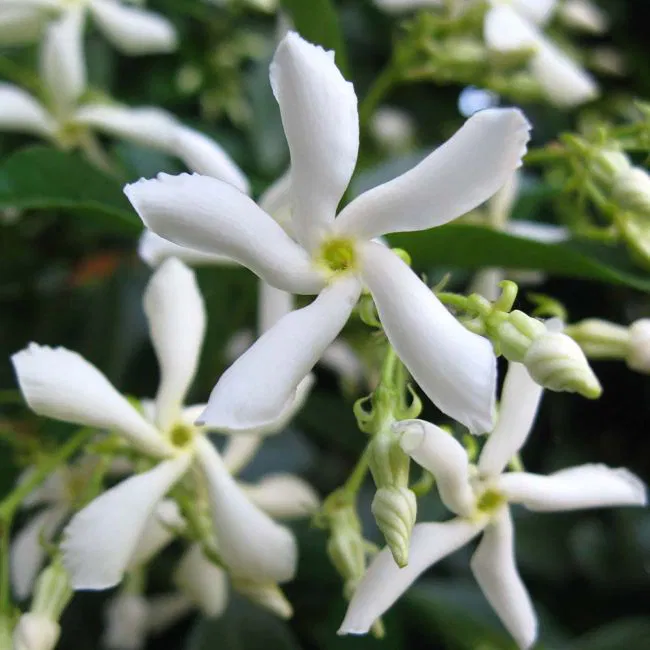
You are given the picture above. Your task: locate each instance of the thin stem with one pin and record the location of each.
(355, 480)
(389, 366)
(95, 154)
(379, 89)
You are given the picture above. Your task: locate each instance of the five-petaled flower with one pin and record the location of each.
(337, 257)
(479, 496)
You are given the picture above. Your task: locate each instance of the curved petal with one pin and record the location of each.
(319, 115)
(19, 111)
(283, 496)
(205, 583)
(495, 570)
(543, 232)
(209, 215)
(384, 582)
(176, 314)
(204, 156)
(442, 455)
(520, 400)
(276, 201)
(453, 366)
(272, 305)
(62, 65)
(132, 30)
(504, 30)
(153, 250)
(27, 553)
(584, 486)
(251, 544)
(239, 451)
(539, 11)
(101, 539)
(146, 126)
(260, 386)
(19, 25)
(62, 385)
(459, 175)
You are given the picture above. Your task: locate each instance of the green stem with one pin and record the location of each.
(547, 154)
(355, 480)
(389, 366)
(379, 89)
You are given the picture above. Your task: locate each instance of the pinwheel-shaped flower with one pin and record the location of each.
(101, 539)
(337, 256)
(479, 496)
(131, 30)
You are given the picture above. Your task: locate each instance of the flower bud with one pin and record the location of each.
(35, 632)
(268, 595)
(600, 339)
(346, 547)
(638, 357)
(583, 14)
(556, 362)
(127, 618)
(395, 510)
(632, 190)
(52, 592)
(611, 164)
(388, 462)
(514, 333)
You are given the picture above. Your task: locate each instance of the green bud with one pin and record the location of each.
(610, 164)
(388, 463)
(52, 592)
(513, 333)
(395, 511)
(631, 190)
(346, 547)
(600, 339)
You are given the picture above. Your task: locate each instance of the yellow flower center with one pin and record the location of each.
(338, 255)
(181, 435)
(490, 501)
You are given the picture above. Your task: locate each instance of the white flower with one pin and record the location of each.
(638, 355)
(133, 31)
(102, 539)
(335, 257)
(479, 496)
(35, 632)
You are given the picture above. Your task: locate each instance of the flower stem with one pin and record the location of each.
(355, 480)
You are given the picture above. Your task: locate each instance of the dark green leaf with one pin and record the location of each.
(626, 634)
(40, 178)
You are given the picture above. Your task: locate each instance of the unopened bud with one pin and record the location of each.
(346, 547)
(126, 618)
(600, 339)
(632, 190)
(610, 164)
(52, 591)
(514, 333)
(583, 14)
(556, 362)
(638, 357)
(387, 461)
(35, 632)
(267, 595)
(395, 510)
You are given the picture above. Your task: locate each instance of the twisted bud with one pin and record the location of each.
(395, 511)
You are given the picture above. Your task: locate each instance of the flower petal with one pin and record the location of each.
(19, 25)
(542, 232)
(101, 539)
(63, 66)
(575, 488)
(453, 366)
(260, 386)
(133, 31)
(283, 496)
(384, 582)
(149, 127)
(459, 175)
(272, 305)
(240, 450)
(520, 399)
(19, 111)
(62, 385)
(495, 570)
(442, 455)
(204, 156)
(486, 283)
(126, 622)
(539, 11)
(204, 582)
(209, 215)
(504, 30)
(176, 314)
(251, 544)
(27, 553)
(276, 201)
(319, 115)
(153, 250)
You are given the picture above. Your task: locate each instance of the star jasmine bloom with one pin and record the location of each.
(131, 30)
(479, 495)
(101, 540)
(334, 258)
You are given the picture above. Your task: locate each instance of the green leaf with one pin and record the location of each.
(318, 22)
(628, 634)
(243, 626)
(472, 247)
(41, 178)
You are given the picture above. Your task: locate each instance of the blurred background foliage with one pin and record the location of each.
(70, 275)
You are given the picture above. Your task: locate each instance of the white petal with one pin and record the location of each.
(63, 66)
(52, 491)
(251, 544)
(27, 553)
(499, 207)
(272, 305)
(176, 314)
(126, 622)
(384, 582)
(461, 174)
(149, 127)
(517, 410)
(19, 111)
(585, 15)
(205, 583)
(101, 539)
(133, 31)
(538, 11)
(584, 486)
(442, 455)
(283, 496)
(51, 5)
(453, 366)
(276, 201)
(153, 250)
(257, 389)
(62, 385)
(319, 115)
(240, 450)
(505, 30)
(209, 215)
(486, 283)
(495, 570)
(19, 25)
(204, 156)
(542, 232)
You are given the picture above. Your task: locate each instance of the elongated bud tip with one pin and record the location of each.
(35, 632)
(395, 511)
(267, 594)
(638, 357)
(557, 362)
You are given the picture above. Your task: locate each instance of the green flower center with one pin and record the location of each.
(181, 435)
(338, 255)
(490, 501)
